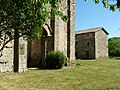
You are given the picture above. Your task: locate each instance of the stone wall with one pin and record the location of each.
(85, 46)
(34, 53)
(62, 38)
(64, 33)
(92, 44)
(101, 43)
(60, 35)
(22, 55)
(60, 31)
(6, 60)
(72, 29)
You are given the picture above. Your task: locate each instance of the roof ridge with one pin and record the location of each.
(91, 30)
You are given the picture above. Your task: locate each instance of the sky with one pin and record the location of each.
(90, 15)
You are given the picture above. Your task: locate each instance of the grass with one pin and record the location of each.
(101, 74)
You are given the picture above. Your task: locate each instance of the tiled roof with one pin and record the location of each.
(91, 30)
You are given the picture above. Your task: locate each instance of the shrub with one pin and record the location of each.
(55, 60)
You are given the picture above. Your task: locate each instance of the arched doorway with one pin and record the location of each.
(38, 49)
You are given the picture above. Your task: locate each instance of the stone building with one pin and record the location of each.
(91, 43)
(56, 35)
(7, 59)
(60, 37)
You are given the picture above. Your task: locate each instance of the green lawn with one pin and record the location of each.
(89, 75)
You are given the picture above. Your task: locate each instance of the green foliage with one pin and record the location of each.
(113, 7)
(27, 17)
(114, 46)
(107, 4)
(55, 60)
(96, 1)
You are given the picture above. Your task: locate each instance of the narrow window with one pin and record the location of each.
(88, 43)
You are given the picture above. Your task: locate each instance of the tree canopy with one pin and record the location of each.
(26, 17)
(114, 46)
(109, 4)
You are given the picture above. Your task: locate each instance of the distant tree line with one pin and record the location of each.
(114, 46)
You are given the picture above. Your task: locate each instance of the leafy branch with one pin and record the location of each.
(106, 4)
(27, 17)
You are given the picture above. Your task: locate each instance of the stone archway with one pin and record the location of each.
(38, 49)
(47, 43)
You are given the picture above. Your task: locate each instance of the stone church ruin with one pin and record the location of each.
(56, 35)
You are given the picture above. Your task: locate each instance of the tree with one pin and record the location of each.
(114, 46)
(106, 4)
(25, 18)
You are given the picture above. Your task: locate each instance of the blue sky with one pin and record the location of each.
(89, 15)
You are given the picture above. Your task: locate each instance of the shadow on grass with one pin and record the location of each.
(85, 59)
(115, 58)
(118, 58)
(78, 65)
(41, 69)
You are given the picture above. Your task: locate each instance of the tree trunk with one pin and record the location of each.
(16, 51)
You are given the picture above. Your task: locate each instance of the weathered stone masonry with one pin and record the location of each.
(61, 37)
(6, 61)
(57, 35)
(91, 43)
